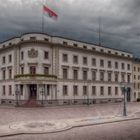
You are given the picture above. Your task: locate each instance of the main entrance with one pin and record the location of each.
(33, 91)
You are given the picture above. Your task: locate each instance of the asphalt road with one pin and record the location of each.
(129, 130)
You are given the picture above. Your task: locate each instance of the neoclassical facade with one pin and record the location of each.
(48, 70)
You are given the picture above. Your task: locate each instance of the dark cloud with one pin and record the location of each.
(77, 19)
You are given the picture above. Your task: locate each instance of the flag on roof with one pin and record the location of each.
(50, 13)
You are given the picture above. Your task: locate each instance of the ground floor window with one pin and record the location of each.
(10, 90)
(3, 90)
(75, 90)
(65, 90)
(84, 90)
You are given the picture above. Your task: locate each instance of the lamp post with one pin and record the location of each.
(42, 93)
(124, 89)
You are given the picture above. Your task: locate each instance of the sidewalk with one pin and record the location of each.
(42, 126)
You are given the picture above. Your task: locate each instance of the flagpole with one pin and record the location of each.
(42, 16)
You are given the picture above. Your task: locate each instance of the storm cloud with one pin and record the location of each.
(77, 19)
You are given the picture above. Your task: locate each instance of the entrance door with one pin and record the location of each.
(33, 91)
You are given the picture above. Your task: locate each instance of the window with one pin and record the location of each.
(85, 60)
(84, 90)
(65, 73)
(123, 77)
(22, 55)
(32, 38)
(46, 70)
(21, 90)
(84, 75)
(75, 59)
(75, 90)
(109, 64)
(109, 52)
(3, 90)
(138, 69)
(32, 70)
(116, 90)
(65, 58)
(22, 70)
(46, 39)
(102, 91)
(75, 74)
(93, 62)
(93, 90)
(48, 90)
(10, 58)
(109, 76)
(101, 50)
(3, 60)
(10, 90)
(3, 74)
(128, 66)
(123, 66)
(85, 47)
(46, 55)
(134, 68)
(94, 75)
(75, 45)
(102, 63)
(116, 77)
(10, 73)
(101, 76)
(65, 90)
(116, 65)
(128, 78)
(109, 90)
(65, 43)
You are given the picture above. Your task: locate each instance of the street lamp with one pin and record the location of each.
(124, 89)
(42, 93)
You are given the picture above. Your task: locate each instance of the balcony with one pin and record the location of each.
(35, 77)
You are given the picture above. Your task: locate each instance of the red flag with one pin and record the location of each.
(49, 12)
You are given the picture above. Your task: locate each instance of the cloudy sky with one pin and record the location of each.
(77, 19)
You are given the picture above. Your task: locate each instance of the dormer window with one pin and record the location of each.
(85, 47)
(10, 43)
(75, 45)
(22, 39)
(33, 38)
(65, 43)
(46, 39)
(122, 54)
(102, 50)
(93, 49)
(109, 52)
(116, 53)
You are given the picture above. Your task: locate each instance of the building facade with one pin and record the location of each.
(57, 71)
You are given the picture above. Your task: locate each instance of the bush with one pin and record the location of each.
(138, 99)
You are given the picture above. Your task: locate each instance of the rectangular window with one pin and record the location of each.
(93, 62)
(21, 90)
(123, 66)
(101, 91)
(128, 66)
(128, 78)
(84, 90)
(109, 64)
(10, 90)
(123, 77)
(75, 90)
(3, 90)
(65, 43)
(75, 59)
(10, 58)
(22, 70)
(75, 74)
(102, 63)
(109, 90)
(116, 77)
(32, 70)
(65, 58)
(101, 76)
(84, 75)
(84, 60)
(22, 55)
(65, 90)
(3, 74)
(46, 70)
(93, 75)
(3, 60)
(65, 73)
(46, 55)
(93, 90)
(116, 90)
(109, 76)
(10, 73)
(116, 65)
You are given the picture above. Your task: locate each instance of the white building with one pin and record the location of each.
(55, 70)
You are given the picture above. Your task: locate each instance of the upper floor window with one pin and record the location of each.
(3, 90)
(65, 90)
(93, 90)
(46, 55)
(65, 57)
(93, 62)
(109, 90)
(10, 58)
(75, 90)
(128, 78)
(101, 90)
(93, 75)
(3, 60)
(85, 60)
(10, 73)
(101, 76)
(3, 74)
(32, 70)
(85, 75)
(46, 70)
(109, 64)
(22, 70)
(102, 63)
(65, 73)
(22, 55)
(116, 90)
(123, 77)
(116, 65)
(84, 90)
(116, 77)
(123, 66)
(134, 68)
(75, 59)
(128, 66)
(10, 90)
(109, 76)
(75, 74)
